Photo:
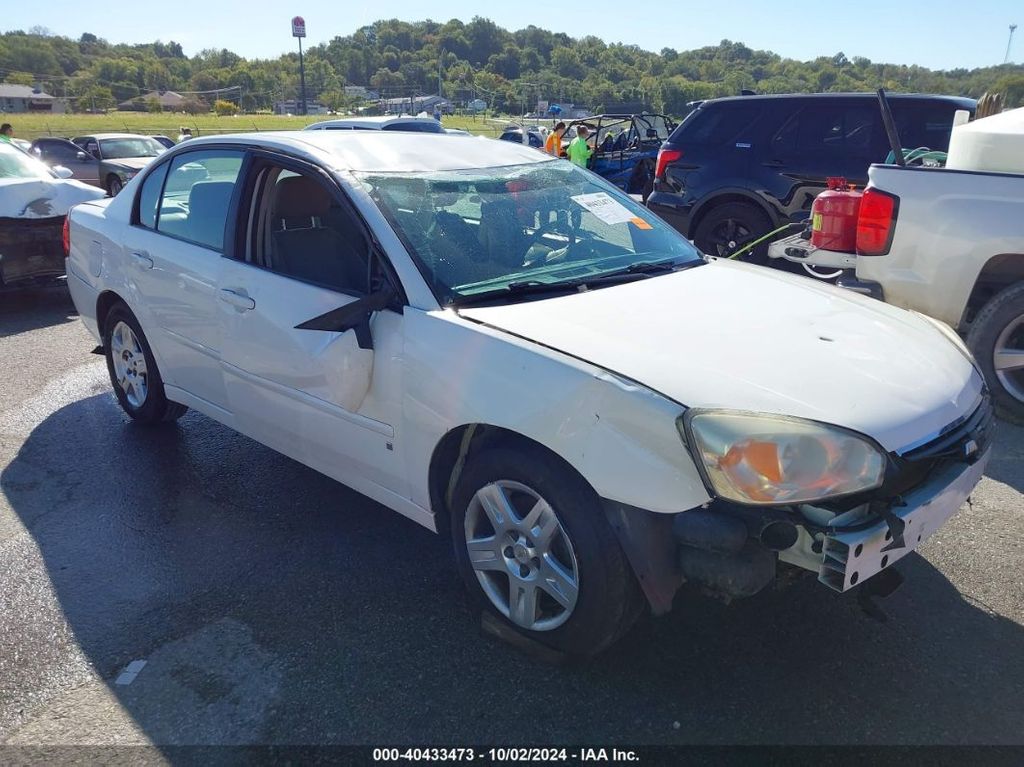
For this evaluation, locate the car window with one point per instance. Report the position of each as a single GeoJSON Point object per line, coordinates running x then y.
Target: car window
{"type": "Point", "coordinates": [122, 148]}
{"type": "Point", "coordinates": [196, 195]}
{"type": "Point", "coordinates": [923, 125]}
{"type": "Point", "coordinates": [476, 231]}
{"type": "Point", "coordinates": [718, 124]}
{"type": "Point", "coordinates": [59, 150]}
{"type": "Point", "coordinates": [149, 196]}
{"type": "Point", "coordinates": [416, 127]}
{"type": "Point", "coordinates": [17, 164]}
{"type": "Point", "coordinates": [299, 228]}
{"type": "Point", "coordinates": [828, 129]}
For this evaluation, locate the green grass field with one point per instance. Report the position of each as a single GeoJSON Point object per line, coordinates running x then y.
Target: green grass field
{"type": "Point", "coordinates": [30, 126]}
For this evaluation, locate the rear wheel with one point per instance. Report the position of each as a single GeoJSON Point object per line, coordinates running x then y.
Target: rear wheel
{"type": "Point", "coordinates": [997, 342]}
{"type": "Point", "coordinates": [133, 371]}
{"type": "Point", "coordinates": [114, 186]}
{"type": "Point", "coordinates": [534, 548]}
{"type": "Point", "coordinates": [728, 227]}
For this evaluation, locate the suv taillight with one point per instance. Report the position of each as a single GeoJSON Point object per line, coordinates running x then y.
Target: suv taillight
{"type": "Point", "coordinates": [876, 222]}
{"type": "Point", "coordinates": [66, 236]}
{"type": "Point", "coordinates": [665, 157]}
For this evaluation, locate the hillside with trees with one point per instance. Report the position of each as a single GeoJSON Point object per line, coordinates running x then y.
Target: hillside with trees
{"type": "Point", "coordinates": [475, 59]}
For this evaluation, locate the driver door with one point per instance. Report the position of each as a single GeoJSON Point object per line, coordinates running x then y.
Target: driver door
{"type": "Point", "coordinates": [315, 395]}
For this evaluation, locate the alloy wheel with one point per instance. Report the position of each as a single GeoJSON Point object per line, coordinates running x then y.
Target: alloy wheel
{"type": "Point", "coordinates": [521, 555]}
{"type": "Point", "coordinates": [1008, 358]}
{"type": "Point", "coordinates": [129, 364]}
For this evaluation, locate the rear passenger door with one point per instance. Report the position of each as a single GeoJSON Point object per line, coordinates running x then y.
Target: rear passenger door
{"type": "Point", "coordinates": [173, 255]}
{"type": "Point", "coordinates": [315, 395]}
{"type": "Point", "coordinates": [831, 137]}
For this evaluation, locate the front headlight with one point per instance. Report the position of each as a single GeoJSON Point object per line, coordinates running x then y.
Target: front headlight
{"type": "Point", "coordinates": [952, 335]}
{"type": "Point", "coordinates": [765, 459]}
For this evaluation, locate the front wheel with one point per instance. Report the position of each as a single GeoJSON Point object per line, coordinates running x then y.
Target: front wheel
{"type": "Point", "coordinates": [997, 342]}
{"type": "Point", "coordinates": [133, 371]}
{"type": "Point", "coordinates": [114, 186]}
{"type": "Point", "coordinates": [533, 547]}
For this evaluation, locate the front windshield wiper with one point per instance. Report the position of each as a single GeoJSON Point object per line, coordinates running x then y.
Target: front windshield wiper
{"type": "Point", "coordinates": [643, 268]}
{"type": "Point", "coordinates": [522, 288]}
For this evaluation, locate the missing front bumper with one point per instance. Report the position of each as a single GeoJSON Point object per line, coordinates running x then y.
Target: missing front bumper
{"type": "Point", "coordinates": [849, 559]}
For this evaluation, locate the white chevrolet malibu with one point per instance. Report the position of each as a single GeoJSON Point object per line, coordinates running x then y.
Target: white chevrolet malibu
{"type": "Point", "coordinates": [509, 351]}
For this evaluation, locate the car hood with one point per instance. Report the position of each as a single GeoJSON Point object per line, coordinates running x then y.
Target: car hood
{"type": "Point", "coordinates": [42, 198]}
{"type": "Point", "coordinates": [130, 163]}
{"type": "Point", "coordinates": [731, 335]}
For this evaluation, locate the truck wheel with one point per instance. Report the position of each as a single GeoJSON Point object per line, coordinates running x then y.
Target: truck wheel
{"type": "Point", "coordinates": [133, 371]}
{"type": "Point", "coordinates": [114, 186]}
{"type": "Point", "coordinates": [726, 228]}
{"type": "Point", "coordinates": [997, 342]}
{"type": "Point", "coordinates": [533, 547]}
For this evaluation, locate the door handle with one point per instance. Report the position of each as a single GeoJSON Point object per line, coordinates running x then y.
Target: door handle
{"type": "Point", "coordinates": [237, 298]}
{"type": "Point", "coordinates": [142, 260]}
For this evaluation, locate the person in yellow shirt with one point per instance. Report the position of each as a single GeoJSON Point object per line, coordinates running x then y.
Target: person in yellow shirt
{"type": "Point", "coordinates": [553, 143]}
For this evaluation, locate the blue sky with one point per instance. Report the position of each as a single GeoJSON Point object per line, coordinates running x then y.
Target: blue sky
{"type": "Point", "coordinates": [940, 34]}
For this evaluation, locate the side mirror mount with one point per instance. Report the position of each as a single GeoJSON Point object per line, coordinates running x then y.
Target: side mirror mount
{"type": "Point", "coordinates": [62, 172]}
{"type": "Point", "coordinates": [353, 316]}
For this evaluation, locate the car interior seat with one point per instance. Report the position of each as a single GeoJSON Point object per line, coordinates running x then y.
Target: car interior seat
{"type": "Point", "coordinates": [207, 202]}
{"type": "Point", "coordinates": [304, 246]}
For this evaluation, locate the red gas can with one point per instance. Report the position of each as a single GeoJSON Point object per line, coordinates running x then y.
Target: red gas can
{"type": "Point", "coordinates": [834, 217]}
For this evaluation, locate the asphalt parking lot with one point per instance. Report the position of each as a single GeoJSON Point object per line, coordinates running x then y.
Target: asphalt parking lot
{"type": "Point", "coordinates": [271, 605]}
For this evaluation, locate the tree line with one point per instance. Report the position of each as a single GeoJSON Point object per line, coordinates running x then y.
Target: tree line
{"type": "Point", "coordinates": [476, 59]}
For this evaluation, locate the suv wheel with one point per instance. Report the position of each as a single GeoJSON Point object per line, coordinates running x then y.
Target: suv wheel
{"type": "Point", "coordinates": [533, 547]}
{"type": "Point", "coordinates": [997, 342]}
{"type": "Point", "coordinates": [726, 228]}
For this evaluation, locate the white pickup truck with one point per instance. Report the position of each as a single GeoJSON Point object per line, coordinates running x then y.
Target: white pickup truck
{"type": "Point", "coordinates": [948, 243]}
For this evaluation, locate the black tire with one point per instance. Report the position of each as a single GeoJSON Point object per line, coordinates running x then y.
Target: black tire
{"type": "Point", "coordinates": [728, 227]}
{"type": "Point", "coordinates": [997, 316]}
{"type": "Point", "coordinates": [155, 407]}
{"type": "Point", "coordinates": [114, 186]}
{"type": "Point", "coordinates": [609, 599]}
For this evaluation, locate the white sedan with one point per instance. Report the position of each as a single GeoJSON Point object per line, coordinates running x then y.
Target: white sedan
{"type": "Point", "coordinates": [508, 350]}
{"type": "Point", "coordinates": [34, 202]}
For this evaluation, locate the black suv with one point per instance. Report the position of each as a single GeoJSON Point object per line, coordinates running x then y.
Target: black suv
{"type": "Point", "coordinates": [737, 168]}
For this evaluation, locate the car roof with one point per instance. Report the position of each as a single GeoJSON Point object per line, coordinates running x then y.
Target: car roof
{"type": "Point", "coordinates": [377, 122]}
{"type": "Point", "coordinates": [99, 136]}
{"type": "Point", "coordinates": [382, 151]}
{"type": "Point", "coordinates": [960, 101]}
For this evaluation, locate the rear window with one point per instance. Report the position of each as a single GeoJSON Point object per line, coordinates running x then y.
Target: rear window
{"type": "Point", "coordinates": [417, 127]}
{"type": "Point", "coordinates": [924, 125]}
{"type": "Point", "coordinates": [716, 124]}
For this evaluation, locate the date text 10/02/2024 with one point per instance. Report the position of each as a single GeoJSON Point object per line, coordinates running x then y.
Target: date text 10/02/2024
{"type": "Point", "coordinates": [504, 754]}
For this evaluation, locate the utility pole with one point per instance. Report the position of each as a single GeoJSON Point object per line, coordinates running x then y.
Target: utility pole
{"type": "Point", "coordinates": [1006, 58]}
{"type": "Point", "coordinates": [440, 59]}
{"type": "Point", "coordinates": [299, 31]}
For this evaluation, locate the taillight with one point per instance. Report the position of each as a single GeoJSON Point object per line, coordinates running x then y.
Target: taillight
{"type": "Point", "coordinates": [665, 157]}
{"type": "Point", "coordinates": [66, 236]}
{"type": "Point", "coordinates": [876, 222]}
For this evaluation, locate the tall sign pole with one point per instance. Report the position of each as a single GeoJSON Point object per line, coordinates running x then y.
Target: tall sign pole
{"type": "Point", "coordinates": [299, 31]}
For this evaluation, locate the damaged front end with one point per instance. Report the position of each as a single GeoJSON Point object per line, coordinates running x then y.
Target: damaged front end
{"type": "Point", "coordinates": [731, 550]}
{"type": "Point", "coordinates": [31, 248]}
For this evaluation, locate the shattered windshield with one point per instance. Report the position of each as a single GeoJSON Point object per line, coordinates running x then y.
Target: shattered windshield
{"type": "Point", "coordinates": [482, 230]}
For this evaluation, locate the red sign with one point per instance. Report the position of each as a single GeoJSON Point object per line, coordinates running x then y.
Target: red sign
{"type": "Point", "coordinates": [298, 27]}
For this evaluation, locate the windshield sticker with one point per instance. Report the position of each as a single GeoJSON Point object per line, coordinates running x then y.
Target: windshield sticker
{"type": "Point", "coordinates": [604, 207]}
{"type": "Point", "coordinates": [639, 223]}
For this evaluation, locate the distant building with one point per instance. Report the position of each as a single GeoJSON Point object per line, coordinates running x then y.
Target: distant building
{"type": "Point", "coordinates": [415, 104]}
{"type": "Point", "coordinates": [361, 92]}
{"type": "Point", "coordinates": [24, 98]}
{"type": "Point", "coordinates": [293, 107]}
{"type": "Point", "coordinates": [169, 102]}
{"type": "Point", "coordinates": [476, 105]}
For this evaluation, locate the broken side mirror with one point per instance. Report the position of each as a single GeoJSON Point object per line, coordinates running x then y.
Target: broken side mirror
{"type": "Point", "coordinates": [353, 316]}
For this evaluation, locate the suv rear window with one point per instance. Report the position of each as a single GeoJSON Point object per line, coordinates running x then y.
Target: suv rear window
{"type": "Point", "coordinates": [716, 124]}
